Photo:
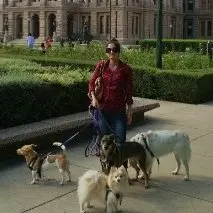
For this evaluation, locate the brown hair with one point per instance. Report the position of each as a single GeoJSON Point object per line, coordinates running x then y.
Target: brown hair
{"type": "Point", "coordinates": [116, 43]}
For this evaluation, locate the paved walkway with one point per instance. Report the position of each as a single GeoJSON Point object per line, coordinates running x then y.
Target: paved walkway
{"type": "Point", "coordinates": [167, 193]}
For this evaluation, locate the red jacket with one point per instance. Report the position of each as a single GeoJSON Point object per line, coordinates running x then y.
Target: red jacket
{"type": "Point", "coordinates": [118, 86]}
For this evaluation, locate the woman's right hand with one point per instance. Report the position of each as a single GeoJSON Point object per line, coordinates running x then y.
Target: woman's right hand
{"type": "Point", "coordinates": [95, 102]}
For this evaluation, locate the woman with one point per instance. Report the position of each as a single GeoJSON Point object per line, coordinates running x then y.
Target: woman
{"type": "Point", "coordinates": [115, 106]}
{"type": "Point", "coordinates": [48, 42]}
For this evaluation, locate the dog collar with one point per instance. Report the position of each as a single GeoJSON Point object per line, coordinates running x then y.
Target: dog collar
{"type": "Point", "coordinates": [32, 162]}
{"type": "Point", "coordinates": [117, 194]}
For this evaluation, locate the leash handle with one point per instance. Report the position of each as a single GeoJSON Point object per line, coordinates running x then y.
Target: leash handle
{"type": "Point", "coordinates": [91, 111]}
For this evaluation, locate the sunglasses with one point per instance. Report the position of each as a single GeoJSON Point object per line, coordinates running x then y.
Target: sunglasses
{"type": "Point", "coordinates": [113, 50]}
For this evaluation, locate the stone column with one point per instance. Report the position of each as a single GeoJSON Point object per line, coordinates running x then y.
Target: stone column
{"type": "Point", "coordinates": [94, 23]}
{"type": "Point", "coordinates": [61, 24]}
{"type": "Point", "coordinates": [122, 29]}
{"type": "Point", "coordinates": [104, 22]}
{"type": "Point", "coordinates": [75, 23]}
{"type": "Point", "coordinates": [26, 24]}
{"type": "Point", "coordinates": [166, 23]}
{"type": "Point", "coordinates": [1, 19]}
{"type": "Point", "coordinates": [1, 24]}
{"type": "Point", "coordinates": [42, 24]}
{"type": "Point", "coordinates": [10, 26]}
{"type": "Point", "coordinates": [179, 27]}
{"type": "Point", "coordinates": [147, 24]}
{"type": "Point", "coordinates": [129, 23]}
{"type": "Point", "coordinates": [10, 3]}
{"type": "Point", "coordinates": [113, 24]}
{"type": "Point", "coordinates": [27, 2]}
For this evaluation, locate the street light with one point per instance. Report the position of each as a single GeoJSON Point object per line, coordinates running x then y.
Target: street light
{"type": "Point", "coordinates": [159, 35]}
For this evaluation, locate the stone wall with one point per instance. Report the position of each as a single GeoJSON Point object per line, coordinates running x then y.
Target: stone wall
{"type": "Point", "coordinates": [130, 20]}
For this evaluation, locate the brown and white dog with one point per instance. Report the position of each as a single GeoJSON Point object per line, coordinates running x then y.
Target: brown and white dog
{"type": "Point", "coordinates": [37, 161]}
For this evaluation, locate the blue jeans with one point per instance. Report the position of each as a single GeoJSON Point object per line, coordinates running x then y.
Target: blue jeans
{"type": "Point", "coordinates": [113, 123]}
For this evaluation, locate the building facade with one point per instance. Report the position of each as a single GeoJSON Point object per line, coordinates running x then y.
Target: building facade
{"type": "Point", "coordinates": [127, 20]}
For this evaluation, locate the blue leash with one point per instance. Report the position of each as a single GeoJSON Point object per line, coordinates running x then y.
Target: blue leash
{"type": "Point", "coordinates": [94, 145]}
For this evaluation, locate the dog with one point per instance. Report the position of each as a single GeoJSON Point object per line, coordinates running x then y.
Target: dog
{"type": "Point", "coordinates": [37, 161]}
{"type": "Point", "coordinates": [163, 142]}
{"type": "Point", "coordinates": [115, 155]}
{"type": "Point", "coordinates": [95, 185]}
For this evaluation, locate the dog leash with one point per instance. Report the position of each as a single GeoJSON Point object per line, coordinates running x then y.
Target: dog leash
{"type": "Point", "coordinates": [94, 144]}
{"type": "Point", "coordinates": [149, 150]}
{"type": "Point", "coordinates": [91, 111]}
{"type": "Point", "coordinates": [77, 133]}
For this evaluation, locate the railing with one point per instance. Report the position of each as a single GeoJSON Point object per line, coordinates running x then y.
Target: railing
{"type": "Point", "coordinates": [18, 4]}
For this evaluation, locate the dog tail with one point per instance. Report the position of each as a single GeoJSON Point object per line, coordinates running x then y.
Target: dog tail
{"type": "Point", "coordinates": [60, 145]}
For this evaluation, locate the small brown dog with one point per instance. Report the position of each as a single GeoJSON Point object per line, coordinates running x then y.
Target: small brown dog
{"type": "Point", "coordinates": [37, 161]}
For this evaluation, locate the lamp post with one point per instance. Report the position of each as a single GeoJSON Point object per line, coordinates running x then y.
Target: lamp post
{"type": "Point", "coordinates": [110, 19]}
{"type": "Point", "coordinates": [159, 35]}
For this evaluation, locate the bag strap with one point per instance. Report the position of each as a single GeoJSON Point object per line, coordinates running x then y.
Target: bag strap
{"type": "Point", "coordinates": [103, 63]}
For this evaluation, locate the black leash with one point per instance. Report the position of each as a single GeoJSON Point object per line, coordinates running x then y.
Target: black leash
{"type": "Point", "coordinates": [149, 150]}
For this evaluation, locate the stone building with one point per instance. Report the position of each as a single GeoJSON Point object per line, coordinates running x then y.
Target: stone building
{"type": "Point", "coordinates": [130, 20]}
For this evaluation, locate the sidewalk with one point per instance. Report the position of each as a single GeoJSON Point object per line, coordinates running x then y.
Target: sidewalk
{"type": "Point", "coordinates": [167, 193]}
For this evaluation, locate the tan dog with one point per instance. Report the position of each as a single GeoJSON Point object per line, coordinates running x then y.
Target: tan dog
{"type": "Point", "coordinates": [37, 161]}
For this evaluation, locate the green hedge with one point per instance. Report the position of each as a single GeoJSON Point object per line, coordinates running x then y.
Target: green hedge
{"type": "Point", "coordinates": [181, 86]}
{"type": "Point", "coordinates": [29, 95]}
{"type": "Point", "coordinates": [25, 103]}
{"type": "Point", "coordinates": [176, 45]}
{"type": "Point", "coordinates": [30, 92]}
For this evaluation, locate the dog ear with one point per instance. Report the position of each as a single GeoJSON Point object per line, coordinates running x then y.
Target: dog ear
{"type": "Point", "coordinates": [113, 169]}
{"type": "Point", "coordinates": [112, 137]}
{"type": "Point", "coordinates": [122, 168]}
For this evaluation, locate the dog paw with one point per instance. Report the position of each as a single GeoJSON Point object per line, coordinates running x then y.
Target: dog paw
{"type": "Point", "coordinates": [141, 177]}
{"type": "Point", "coordinates": [32, 182]}
{"type": "Point", "coordinates": [133, 179]}
{"type": "Point", "coordinates": [174, 172]}
{"type": "Point", "coordinates": [89, 206]}
{"type": "Point", "coordinates": [146, 185]}
{"type": "Point", "coordinates": [61, 183]}
{"type": "Point", "coordinates": [186, 178]}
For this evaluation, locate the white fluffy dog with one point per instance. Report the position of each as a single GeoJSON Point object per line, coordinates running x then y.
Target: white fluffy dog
{"type": "Point", "coordinates": [163, 142]}
{"type": "Point", "coordinates": [94, 185]}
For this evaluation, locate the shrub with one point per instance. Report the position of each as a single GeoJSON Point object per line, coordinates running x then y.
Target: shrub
{"type": "Point", "coordinates": [48, 92]}
{"type": "Point", "coordinates": [175, 45]}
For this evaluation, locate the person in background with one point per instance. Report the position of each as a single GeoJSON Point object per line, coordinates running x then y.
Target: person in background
{"type": "Point", "coordinates": [43, 49]}
{"type": "Point", "coordinates": [30, 41]}
{"type": "Point", "coordinates": [115, 107]}
{"type": "Point", "coordinates": [48, 42]}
